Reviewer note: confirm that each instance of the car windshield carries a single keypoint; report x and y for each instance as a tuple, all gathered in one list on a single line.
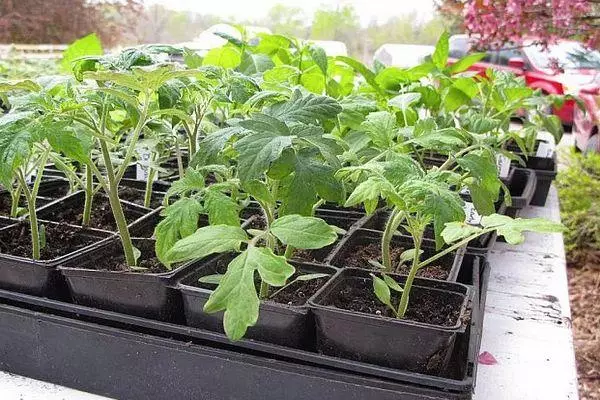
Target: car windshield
[(566, 55)]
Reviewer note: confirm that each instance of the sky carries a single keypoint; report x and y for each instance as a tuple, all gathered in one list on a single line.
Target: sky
[(368, 10)]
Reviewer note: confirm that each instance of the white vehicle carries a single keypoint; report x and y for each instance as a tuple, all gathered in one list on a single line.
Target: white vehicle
[(402, 55), (209, 40), (332, 47)]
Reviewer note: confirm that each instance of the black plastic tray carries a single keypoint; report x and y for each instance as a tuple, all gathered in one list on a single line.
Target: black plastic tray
[(129, 357)]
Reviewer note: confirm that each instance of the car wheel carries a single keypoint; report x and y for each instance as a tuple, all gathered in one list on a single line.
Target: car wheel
[(592, 144)]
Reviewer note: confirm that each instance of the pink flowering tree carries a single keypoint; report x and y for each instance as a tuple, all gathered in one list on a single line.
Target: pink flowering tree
[(496, 22)]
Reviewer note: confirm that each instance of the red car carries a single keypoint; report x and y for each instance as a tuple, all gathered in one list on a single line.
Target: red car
[(564, 68)]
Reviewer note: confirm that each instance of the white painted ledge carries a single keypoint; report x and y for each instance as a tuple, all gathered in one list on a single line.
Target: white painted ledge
[(526, 327)]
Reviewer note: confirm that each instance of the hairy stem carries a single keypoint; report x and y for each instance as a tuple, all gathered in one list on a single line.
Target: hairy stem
[(15, 197), (89, 196), (148, 191), (180, 168), (391, 225), (410, 278), (134, 138), (455, 246), (451, 160)]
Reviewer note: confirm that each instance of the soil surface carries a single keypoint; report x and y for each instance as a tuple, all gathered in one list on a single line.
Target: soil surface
[(137, 196), (60, 240), (102, 216), (426, 306), (295, 294), (6, 203), (57, 191), (316, 256), (359, 256), (116, 260), (584, 290)]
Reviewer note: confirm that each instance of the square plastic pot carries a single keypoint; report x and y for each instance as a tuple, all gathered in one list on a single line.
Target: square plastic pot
[(149, 295), (357, 237), (522, 188), (544, 180), (76, 200), (385, 341), (282, 324), (40, 277)]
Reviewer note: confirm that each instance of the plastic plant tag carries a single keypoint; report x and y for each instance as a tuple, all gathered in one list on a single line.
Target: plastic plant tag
[(472, 217), (141, 168), (545, 150), (503, 165), (465, 191)]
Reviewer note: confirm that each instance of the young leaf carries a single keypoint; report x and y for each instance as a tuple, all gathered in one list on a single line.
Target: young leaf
[(255, 63), (180, 220), (369, 192), (404, 100), (192, 180), (303, 232), (211, 279), (89, 45), (226, 57), (257, 151), (392, 284), (455, 231), (236, 293), (409, 254), (442, 49), (319, 57), (206, 241), (380, 126), (464, 63), (221, 209), (211, 146), (382, 290), (258, 190), (485, 187), (512, 229)]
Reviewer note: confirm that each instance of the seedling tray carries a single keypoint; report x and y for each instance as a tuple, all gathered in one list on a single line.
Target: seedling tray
[(129, 357)]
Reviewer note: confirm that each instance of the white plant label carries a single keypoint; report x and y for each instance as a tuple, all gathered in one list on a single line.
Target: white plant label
[(141, 168), (545, 150), (503, 165), (465, 190), (472, 217)]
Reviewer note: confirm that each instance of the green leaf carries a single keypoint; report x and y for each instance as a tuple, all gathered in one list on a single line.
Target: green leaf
[(226, 57), (257, 152), (22, 84), (14, 150), (404, 100), (260, 123), (455, 98), (212, 144), (361, 69), (282, 74), (455, 231), (409, 254), (485, 185), (259, 190), (192, 181), (211, 279), (442, 49), (380, 126), (180, 220), (191, 59), (319, 57), (512, 229), (442, 139), (392, 284), (89, 45), (221, 209), (306, 109), (255, 63), (236, 294), (369, 192), (310, 277), (73, 145), (382, 290), (303, 232), (464, 63), (206, 241)]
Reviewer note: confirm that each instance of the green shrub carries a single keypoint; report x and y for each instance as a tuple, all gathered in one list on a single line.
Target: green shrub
[(579, 192)]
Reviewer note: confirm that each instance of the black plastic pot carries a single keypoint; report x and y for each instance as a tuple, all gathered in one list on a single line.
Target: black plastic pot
[(533, 161), (544, 180), (522, 188), (385, 341), (54, 188), (350, 243), (157, 186), (103, 352), (149, 295), (40, 277), (282, 324), (51, 211)]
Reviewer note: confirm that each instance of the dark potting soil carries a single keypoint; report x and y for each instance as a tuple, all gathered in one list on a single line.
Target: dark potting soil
[(426, 306), (295, 294), (360, 255), (60, 240), (6, 203), (101, 218), (137, 197), (116, 261), (58, 191), (307, 255)]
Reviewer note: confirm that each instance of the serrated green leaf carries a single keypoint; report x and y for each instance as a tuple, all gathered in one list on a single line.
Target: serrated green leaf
[(361, 69), (319, 57), (206, 241), (221, 209), (23, 84), (404, 100), (485, 185), (259, 191), (180, 220), (381, 127), (257, 152), (306, 109), (191, 59), (369, 192), (392, 284), (455, 231), (236, 294), (89, 45), (210, 147), (303, 232), (193, 180), (255, 63)]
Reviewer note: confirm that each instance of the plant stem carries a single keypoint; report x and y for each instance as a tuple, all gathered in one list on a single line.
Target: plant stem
[(455, 246), (289, 252), (391, 225), (410, 278), (89, 196), (148, 192), (179, 159), (317, 205), (14, 205), (134, 138), (448, 163)]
